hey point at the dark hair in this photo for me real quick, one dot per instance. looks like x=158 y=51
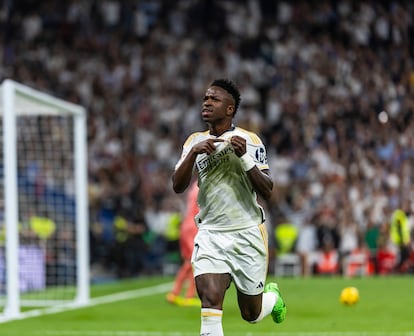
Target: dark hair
x=231 y=88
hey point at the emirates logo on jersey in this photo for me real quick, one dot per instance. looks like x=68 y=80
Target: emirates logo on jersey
x=261 y=155
x=215 y=159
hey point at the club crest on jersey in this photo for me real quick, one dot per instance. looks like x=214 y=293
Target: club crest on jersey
x=261 y=155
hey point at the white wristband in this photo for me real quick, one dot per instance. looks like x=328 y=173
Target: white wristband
x=247 y=162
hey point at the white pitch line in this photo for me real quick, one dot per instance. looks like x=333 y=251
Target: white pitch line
x=147 y=333
x=132 y=294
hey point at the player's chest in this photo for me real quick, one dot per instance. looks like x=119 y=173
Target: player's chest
x=224 y=157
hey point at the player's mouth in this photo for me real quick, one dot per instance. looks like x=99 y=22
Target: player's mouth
x=205 y=113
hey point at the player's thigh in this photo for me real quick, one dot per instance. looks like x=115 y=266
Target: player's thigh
x=249 y=260
x=211 y=288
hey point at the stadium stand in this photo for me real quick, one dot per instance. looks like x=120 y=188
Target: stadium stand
x=314 y=75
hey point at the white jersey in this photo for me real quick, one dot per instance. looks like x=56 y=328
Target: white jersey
x=226 y=197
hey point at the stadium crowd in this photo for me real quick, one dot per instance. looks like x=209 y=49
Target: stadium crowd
x=327 y=84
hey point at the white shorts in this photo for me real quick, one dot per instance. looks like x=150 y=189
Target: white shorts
x=242 y=253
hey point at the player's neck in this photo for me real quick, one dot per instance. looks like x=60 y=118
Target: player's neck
x=218 y=130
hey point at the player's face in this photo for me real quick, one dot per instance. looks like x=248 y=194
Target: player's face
x=218 y=105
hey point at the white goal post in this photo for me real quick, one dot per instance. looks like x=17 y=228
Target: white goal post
x=44 y=234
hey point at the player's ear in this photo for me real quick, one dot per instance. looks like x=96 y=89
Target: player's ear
x=230 y=110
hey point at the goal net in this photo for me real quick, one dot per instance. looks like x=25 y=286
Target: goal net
x=43 y=201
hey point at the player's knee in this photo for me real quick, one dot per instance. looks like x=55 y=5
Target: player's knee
x=211 y=300
x=250 y=315
x=210 y=297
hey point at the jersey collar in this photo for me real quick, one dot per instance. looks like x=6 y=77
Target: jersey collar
x=232 y=128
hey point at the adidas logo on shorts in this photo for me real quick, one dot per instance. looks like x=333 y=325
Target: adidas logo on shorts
x=260 y=285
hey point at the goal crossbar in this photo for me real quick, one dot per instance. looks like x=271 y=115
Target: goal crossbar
x=27 y=99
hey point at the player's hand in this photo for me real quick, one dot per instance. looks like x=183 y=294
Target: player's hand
x=207 y=146
x=239 y=145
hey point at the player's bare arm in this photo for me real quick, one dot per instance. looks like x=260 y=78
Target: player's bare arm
x=182 y=176
x=261 y=181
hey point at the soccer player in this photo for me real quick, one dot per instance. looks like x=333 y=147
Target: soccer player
x=185 y=276
x=231 y=244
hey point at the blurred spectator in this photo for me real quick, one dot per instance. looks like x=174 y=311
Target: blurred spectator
x=386 y=256
x=327 y=261
x=371 y=239
x=400 y=236
x=285 y=237
x=306 y=246
x=408 y=265
x=358 y=261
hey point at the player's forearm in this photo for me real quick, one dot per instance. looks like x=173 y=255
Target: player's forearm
x=261 y=182
x=182 y=175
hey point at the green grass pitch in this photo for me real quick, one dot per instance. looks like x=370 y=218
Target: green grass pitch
x=138 y=307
